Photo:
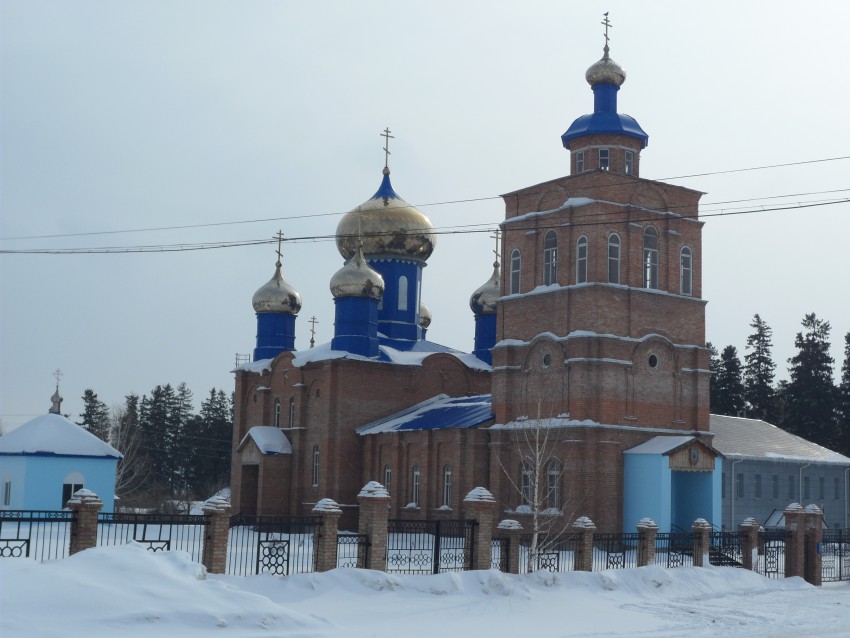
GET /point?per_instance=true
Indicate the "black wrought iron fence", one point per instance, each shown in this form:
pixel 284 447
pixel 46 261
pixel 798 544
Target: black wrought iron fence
pixel 615 551
pixel 835 555
pixel 770 560
pixel 429 547
pixel 554 554
pixel 674 549
pixel 725 548
pixel 158 532
pixel 35 534
pixel 352 550
pixel 500 554
pixel 271 544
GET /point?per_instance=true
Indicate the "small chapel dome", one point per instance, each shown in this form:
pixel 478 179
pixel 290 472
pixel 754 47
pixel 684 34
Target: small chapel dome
pixel 424 316
pixel 277 295
pixel 388 226
pixel 357 279
pixel 483 300
pixel 605 71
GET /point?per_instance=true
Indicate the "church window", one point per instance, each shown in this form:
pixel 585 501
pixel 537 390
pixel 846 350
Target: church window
pixel 653 361
pixel 414 491
pixel 402 293
pixel 550 258
pixel 291 412
pixel 650 258
pixel 547 360
pixel 447 486
pixel 686 271
pixel 604 159
pixel 277 413
pixel 525 483
pixel 613 259
pixel 516 269
pixel 553 491
pixel 581 260
pixel 579 161
pixel 315 466
pixel 388 477
pixel 630 162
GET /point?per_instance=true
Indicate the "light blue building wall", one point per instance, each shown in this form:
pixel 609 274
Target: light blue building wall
pixel 44 478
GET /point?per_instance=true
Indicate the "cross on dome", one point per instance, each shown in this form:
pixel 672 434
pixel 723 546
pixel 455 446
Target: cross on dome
pixel 387 137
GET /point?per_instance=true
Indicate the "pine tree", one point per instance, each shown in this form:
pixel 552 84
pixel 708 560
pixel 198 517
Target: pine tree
pixel 95 415
pixel 811 395
pixel 759 371
pixel 844 398
pixel 729 398
pixel 209 439
pixel 714 374
pixel 157 440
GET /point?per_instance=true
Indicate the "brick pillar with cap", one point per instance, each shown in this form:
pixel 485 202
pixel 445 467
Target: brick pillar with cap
pixel 812 571
pixel 217 513
pixel 795 529
pixel 374 511
pixel 512 530
pixel 480 505
pixel 750 543
pixel 583 557
pixel 325 547
pixel 647 532
pixel 85 506
pixel 701 533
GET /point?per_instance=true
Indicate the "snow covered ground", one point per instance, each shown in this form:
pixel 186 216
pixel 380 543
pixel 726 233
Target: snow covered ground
pixel 126 591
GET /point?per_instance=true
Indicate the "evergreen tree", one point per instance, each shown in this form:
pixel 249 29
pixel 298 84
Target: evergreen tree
pixel 759 371
pixel 811 395
pixel 132 472
pixel 729 398
pixel 844 398
pixel 209 439
pixel 155 421
pixel 714 370
pixel 95 416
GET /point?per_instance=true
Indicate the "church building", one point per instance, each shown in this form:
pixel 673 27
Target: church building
pixel 586 389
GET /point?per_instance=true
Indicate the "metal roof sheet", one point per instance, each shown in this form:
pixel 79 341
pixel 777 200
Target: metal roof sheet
pixel 438 413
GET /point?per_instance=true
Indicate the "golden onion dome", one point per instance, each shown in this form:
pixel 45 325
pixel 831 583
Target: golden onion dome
pixel 424 316
pixel 277 295
pixel 483 300
pixel 357 279
pixel 605 71
pixel 388 226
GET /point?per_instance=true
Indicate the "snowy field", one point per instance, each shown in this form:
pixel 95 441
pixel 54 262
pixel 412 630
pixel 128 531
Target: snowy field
pixel 126 591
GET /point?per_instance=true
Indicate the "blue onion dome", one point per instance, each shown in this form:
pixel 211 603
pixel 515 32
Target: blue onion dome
pixel 277 295
pixel 605 71
pixel 388 225
pixel 424 316
pixel 357 279
pixel 483 300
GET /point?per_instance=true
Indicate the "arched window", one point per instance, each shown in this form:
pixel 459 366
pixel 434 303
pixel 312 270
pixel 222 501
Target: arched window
pixel 613 258
pixel 550 258
pixel 525 483
pixel 291 412
pixel 650 258
pixel 414 487
pixel 686 277
pixel 581 260
pixel 388 477
pixel 516 269
pixel 402 293
pixel 447 486
pixel 553 484
pixel 315 466
pixel 277 413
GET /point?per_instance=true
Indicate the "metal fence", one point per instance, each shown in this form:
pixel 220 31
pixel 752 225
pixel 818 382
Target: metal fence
pixel 835 555
pixel 429 547
pixel 770 561
pixel 271 544
pixel 352 550
pixel 158 532
pixel 35 534
pixel 725 549
pixel 615 551
pixel 554 554
pixel 674 549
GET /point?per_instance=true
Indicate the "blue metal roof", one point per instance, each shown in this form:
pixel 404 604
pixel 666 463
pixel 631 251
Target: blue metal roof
pixel 385 191
pixel 605 120
pixel 438 413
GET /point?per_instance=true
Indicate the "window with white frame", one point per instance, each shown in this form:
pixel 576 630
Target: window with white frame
pixel 613 258
pixel 447 486
pixel 550 258
pixel 516 270
pixel 315 466
pixel 650 258
pixel 630 162
pixel 604 159
pixel 581 260
pixel 579 161
pixel 686 276
pixel 388 477
pixel 553 484
pixel 277 413
pixel 414 488
pixel 525 483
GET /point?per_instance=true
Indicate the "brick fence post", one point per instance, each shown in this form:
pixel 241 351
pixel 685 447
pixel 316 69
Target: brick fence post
pixel 480 505
pixel 795 527
pixel 217 512
pixel 701 531
pixel 813 570
pixel 325 547
pixel 583 557
pixel 647 531
pixel 750 543
pixel 512 530
pixel 374 512
pixel 85 505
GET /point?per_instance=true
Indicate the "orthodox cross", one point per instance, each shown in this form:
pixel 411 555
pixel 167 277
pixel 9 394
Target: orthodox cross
pixel 497 236
pixel 387 137
pixel 58 374
pixel 607 24
pixel 313 321
pixel 279 238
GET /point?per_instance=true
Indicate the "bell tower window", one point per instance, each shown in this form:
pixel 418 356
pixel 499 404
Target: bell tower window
pixel 630 163
pixel 550 258
pixel 604 159
pixel 686 271
pixel 579 161
pixel 650 258
pixel 516 269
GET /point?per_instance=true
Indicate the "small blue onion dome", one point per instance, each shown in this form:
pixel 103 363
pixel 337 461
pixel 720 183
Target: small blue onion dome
pixel 388 226
pixel 357 279
pixel 605 71
pixel 277 295
pixel 483 300
pixel 424 316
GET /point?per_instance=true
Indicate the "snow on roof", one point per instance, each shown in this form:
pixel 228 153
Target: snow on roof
pixel 575 202
pixel 437 413
pixel 268 439
pixel 53 434
pixel 757 439
pixel 660 445
pixel 559 421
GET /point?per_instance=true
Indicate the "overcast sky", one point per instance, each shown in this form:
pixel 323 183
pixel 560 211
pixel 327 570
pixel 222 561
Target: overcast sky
pixel 132 116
